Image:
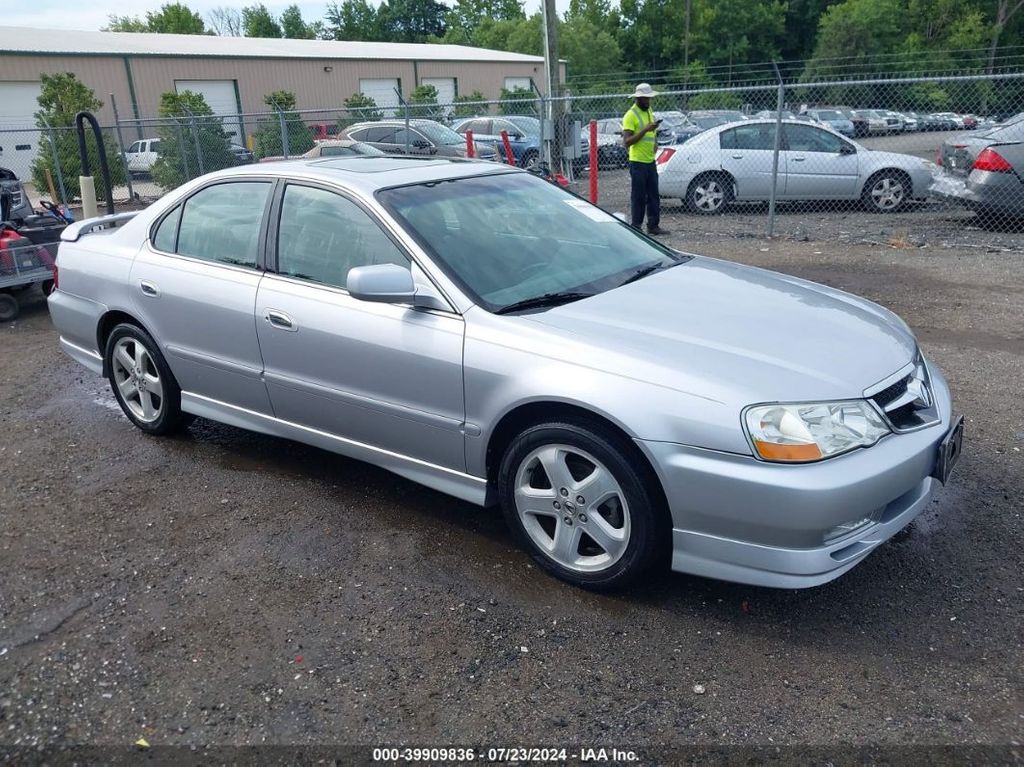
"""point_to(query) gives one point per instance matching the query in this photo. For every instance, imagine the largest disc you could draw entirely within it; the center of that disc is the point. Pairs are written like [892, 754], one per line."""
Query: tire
[600, 545]
[133, 358]
[887, 191]
[529, 159]
[9, 308]
[709, 194]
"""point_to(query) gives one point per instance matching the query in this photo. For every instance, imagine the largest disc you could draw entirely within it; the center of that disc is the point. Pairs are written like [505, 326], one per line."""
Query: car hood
[736, 334]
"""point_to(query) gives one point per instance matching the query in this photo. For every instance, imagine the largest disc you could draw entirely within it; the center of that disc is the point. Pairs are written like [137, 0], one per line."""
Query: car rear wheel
[529, 159]
[709, 194]
[581, 507]
[887, 191]
[142, 382]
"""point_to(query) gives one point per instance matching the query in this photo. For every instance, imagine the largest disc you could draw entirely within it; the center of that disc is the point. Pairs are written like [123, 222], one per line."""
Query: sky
[74, 14]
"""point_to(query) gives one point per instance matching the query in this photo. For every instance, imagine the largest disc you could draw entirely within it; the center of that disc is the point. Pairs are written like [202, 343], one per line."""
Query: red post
[470, 147]
[509, 157]
[593, 161]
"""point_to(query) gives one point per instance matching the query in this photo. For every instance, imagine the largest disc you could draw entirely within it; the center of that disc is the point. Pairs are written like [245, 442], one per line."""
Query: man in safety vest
[639, 133]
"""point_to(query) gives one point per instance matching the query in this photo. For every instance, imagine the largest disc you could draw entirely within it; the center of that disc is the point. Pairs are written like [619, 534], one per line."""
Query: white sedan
[733, 163]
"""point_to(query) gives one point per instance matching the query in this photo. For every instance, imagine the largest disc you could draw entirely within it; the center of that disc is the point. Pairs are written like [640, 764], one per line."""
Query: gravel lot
[228, 588]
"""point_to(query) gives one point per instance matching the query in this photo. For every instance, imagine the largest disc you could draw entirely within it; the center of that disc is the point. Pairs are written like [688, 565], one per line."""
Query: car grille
[909, 404]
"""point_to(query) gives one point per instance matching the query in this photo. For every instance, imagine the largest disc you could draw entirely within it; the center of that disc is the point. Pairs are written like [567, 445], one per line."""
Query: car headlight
[810, 431]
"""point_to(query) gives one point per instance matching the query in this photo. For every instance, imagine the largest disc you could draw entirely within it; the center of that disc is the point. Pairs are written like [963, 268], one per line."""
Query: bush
[518, 101]
[192, 140]
[61, 97]
[464, 106]
[268, 137]
[360, 108]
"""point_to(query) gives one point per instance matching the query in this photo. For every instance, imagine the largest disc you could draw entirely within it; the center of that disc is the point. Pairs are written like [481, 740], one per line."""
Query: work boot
[657, 231]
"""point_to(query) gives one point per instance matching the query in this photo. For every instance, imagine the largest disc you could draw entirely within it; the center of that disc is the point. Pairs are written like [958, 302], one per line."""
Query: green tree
[269, 139]
[61, 97]
[589, 50]
[257, 22]
[423, 102]
[172, 18]
[464, 106]
[192, 140]
[359, 108]
[293, 27]
[859, 31]
[411, 21]
[518, 101]
[352, 20]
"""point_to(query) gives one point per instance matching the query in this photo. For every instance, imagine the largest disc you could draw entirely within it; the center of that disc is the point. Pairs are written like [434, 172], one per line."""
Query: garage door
[382, 91]
[445, 87]
[19, 141]
[222, 99]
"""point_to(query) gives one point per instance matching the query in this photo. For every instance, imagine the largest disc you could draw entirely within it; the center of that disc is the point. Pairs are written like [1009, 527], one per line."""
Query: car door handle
[149, 289]
[797, 159]
[737, 157]
[279, 320]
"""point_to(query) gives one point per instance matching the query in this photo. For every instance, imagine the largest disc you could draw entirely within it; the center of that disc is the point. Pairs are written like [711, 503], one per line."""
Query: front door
[816, 166]
[385, 375]
[194, 289]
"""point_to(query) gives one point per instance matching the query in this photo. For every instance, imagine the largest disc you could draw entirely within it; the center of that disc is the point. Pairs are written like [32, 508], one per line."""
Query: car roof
[368, 174]
[395, 121]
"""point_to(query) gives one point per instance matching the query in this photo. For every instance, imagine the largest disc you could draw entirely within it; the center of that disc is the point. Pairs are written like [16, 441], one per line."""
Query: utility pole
[686, 40]
[552, 72]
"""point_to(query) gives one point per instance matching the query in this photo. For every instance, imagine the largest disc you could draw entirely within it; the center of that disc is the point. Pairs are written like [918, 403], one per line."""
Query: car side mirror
[389, 284]
[847, 149]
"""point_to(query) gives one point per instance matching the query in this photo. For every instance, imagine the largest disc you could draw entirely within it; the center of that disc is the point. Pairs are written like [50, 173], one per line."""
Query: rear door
[194, 289]
[747, 154]
[816, 168]
[384, 375]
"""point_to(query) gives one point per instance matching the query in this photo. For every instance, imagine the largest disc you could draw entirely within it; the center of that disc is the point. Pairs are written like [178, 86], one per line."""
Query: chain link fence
[905, 160]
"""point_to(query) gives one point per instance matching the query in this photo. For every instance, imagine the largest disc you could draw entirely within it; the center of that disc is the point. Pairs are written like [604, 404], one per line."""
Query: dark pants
[643, 196]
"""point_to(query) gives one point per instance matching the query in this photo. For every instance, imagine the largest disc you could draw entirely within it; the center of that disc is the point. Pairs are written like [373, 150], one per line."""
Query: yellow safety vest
[634, 120]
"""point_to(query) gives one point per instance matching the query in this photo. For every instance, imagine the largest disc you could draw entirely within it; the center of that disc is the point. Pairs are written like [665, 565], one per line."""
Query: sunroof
[377, 164]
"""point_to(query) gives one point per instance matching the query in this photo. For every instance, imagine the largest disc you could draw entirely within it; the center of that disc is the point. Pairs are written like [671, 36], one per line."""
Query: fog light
[840, 531]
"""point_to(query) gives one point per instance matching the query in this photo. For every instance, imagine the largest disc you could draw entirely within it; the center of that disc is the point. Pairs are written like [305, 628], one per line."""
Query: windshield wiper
[643, 271]
[548, 299]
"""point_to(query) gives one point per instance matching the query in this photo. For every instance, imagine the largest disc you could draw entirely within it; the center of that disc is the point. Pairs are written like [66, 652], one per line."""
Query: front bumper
[739, 519]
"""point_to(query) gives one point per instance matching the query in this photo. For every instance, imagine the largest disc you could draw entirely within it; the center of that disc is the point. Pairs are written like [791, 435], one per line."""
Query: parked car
[833, 119]
[910, 122]
[425, 137]
[981, 170]
[523, 135]
[478, 330]
[706, 119]
[21, 206]
[342, 147]
[242, 155]
[611, 152]
[676, 128]
[860, 124]
[733, 163]
[141, 155]
[877, 124]
[769, 114]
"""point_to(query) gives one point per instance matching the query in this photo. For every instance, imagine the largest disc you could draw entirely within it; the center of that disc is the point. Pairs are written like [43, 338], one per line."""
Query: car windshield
[439, 134]
[708, 121]
[530, 126]
[829, 115]
[512, 237]
[674, 121]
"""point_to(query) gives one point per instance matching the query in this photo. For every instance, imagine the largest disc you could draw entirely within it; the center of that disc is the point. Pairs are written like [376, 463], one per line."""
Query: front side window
[221, 223]
[507, 238]
[135, 148]
[805, 138]
[322, 235]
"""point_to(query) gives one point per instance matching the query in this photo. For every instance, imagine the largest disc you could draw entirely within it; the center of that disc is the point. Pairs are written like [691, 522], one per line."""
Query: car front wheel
[886, 192]
[142, 382]
[575, 497]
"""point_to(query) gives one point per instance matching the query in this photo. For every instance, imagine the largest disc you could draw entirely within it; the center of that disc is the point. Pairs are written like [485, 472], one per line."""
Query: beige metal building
[234, 74]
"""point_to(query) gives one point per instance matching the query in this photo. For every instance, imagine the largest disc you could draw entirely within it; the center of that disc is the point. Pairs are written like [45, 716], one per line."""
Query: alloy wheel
[708, 196]
[137, 379]
[572, 508]
[887, 193]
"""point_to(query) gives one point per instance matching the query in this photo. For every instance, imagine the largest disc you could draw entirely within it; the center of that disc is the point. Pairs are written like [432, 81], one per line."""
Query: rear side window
[222, 223]
[154, 146]
[358, 135]
[167, 232]
[383, 134]
[758, 136]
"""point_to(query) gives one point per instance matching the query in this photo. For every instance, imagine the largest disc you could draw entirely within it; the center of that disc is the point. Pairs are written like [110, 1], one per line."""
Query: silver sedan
[735, 162]
[487, 334]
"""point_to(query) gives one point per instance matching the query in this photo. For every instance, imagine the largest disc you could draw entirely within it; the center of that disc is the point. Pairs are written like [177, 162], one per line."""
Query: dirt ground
[228, 588]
